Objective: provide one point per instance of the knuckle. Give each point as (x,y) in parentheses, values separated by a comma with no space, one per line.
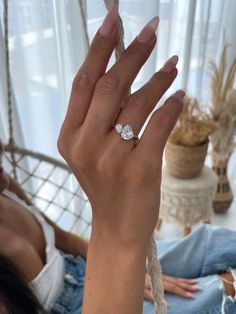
(81,81)
(174,288)
(96,47)
(175,100)
(74,152)
(80,158)
(133,52)
(62,144)
(163,120)
(138,99)
(107,84)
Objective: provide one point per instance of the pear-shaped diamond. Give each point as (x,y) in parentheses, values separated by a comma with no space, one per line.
(119,128)
(127,133)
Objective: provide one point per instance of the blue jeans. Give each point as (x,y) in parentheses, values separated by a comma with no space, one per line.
(205,253)
(71,297)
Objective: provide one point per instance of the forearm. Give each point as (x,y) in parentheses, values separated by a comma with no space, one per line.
(114,280)
(75,246)
(68,242)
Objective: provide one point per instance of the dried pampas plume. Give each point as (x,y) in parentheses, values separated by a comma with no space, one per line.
(223,106)
(222,140)
(194,125)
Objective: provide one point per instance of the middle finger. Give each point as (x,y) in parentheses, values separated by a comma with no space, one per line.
(113,86)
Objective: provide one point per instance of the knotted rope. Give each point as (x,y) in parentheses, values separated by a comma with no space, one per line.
(153,264)
(11,142)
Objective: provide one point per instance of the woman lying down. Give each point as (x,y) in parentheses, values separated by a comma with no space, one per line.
(42,267)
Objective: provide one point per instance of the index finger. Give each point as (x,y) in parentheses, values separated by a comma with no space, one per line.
(92,69)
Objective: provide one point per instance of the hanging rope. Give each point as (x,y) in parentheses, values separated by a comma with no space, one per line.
(120,46)
(153,265)
(11,142)
(154,270)
(84,21)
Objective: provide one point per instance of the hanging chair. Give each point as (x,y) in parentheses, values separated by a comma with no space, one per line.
(51,184)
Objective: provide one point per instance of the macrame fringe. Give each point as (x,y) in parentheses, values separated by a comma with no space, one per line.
(154,270)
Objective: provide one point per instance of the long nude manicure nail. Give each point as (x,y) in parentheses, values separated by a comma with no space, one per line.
(170,64)
(109,21)
(180,94)
(149,30)
(189,295)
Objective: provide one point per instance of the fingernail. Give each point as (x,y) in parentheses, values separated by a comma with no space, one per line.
(193,280)
(195,287)
(180,94)
(148,31)
(189,295)
(109,21)
(170,64)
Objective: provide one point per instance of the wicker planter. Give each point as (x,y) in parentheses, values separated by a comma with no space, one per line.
(183,161)
(224,196)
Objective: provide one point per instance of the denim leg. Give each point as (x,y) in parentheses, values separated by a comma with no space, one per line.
(184,257)
(220,252)
(208,250)
(211,299)
(71,297)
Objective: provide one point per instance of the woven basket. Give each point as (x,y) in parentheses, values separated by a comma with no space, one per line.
(224,196)
(183,161)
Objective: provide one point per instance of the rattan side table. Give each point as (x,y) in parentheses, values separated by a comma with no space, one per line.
(187,201)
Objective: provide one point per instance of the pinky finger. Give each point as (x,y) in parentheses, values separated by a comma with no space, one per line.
(162,122)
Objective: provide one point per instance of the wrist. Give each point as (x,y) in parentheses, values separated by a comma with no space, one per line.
(107,237)
(119,270)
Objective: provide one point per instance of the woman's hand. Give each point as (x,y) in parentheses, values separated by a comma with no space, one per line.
(120,178)
(180,286)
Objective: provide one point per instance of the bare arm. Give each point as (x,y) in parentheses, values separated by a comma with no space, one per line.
(120,178)
(68,242)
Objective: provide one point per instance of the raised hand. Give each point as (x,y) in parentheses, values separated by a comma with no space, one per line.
(120,177)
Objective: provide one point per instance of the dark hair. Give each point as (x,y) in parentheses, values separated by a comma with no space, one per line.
(15,294)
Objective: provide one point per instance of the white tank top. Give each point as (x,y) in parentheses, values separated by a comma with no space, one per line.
(48,284)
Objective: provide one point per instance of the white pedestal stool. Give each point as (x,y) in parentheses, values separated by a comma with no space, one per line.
(187,201)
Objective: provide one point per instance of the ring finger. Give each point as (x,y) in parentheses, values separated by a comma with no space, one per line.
(142,102)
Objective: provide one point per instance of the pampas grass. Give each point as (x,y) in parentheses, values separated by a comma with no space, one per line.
(223,106)
(222,81)
(194,125)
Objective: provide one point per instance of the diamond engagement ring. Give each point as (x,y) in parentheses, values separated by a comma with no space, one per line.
(126,132)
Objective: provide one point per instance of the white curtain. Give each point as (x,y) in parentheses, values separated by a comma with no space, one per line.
(190,28)
(47,45)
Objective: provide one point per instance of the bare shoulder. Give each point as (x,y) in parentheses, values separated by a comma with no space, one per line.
(11,244)
(21,253)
